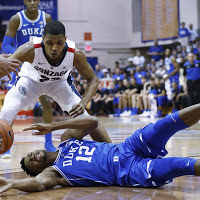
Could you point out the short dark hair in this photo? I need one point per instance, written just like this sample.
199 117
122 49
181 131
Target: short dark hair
54 28
27 170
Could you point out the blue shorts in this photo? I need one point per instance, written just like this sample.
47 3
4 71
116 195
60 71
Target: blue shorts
138 153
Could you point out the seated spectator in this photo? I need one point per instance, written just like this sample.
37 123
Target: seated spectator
120 90
137 105
129 67
124 99
118 75
96 105
110 103
138 59
179 97
156 51
150 88
160 97
139 74
193 34
98 71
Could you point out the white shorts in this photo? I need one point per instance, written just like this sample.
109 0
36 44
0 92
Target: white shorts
27 91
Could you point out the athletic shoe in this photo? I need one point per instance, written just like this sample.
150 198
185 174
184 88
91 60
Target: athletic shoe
6 155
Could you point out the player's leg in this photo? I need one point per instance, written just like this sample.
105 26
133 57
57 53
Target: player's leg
18 97
156 135
164 170
66 96
47 118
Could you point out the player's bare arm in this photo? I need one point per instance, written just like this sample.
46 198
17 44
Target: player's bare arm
86 71
7 65
48 17
24 53
13 26
48 179
84 124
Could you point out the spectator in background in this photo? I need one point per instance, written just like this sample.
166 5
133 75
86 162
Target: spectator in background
109 104
160 97
129 67
179 97
156 51
98 71
193 34
171 66
138 59
139 74
118 75
192 74
183 34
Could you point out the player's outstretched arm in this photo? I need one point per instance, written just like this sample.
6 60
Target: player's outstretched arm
86 71
43 181
84 124
7 65
24 53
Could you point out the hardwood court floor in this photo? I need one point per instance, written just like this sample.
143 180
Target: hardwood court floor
184 143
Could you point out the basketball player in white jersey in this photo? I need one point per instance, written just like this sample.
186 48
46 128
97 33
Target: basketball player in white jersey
47 72
23 26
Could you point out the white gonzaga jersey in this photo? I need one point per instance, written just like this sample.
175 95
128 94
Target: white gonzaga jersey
40 70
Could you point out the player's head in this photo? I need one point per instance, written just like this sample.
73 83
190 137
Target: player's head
54 39
35 162
167 52
190 57
31 5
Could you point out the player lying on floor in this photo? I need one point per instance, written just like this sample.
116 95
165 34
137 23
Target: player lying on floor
135 162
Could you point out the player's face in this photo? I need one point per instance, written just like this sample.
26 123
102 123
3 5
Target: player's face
31 5
36 161
54 45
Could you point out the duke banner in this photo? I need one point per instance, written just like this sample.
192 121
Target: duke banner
159 19
8 8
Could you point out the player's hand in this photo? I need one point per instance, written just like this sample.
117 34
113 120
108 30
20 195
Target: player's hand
5 185
7 65
77 109
41 127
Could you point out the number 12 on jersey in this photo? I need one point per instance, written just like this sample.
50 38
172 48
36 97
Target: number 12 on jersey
87 154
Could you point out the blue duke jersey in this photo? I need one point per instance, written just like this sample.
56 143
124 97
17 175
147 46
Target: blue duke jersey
170 68
29 28
86 163
90 163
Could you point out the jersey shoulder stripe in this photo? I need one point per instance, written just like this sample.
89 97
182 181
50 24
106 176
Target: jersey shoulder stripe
37 45
71 50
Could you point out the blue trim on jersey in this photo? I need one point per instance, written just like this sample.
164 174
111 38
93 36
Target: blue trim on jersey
70 82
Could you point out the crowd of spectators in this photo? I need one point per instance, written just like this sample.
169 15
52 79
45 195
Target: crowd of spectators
154 82
159 82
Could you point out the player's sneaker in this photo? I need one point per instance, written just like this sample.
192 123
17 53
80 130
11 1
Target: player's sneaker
6 155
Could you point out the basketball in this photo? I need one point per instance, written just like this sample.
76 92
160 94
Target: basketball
6 136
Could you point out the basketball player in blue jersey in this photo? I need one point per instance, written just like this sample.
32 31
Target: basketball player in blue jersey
138 161
23 26
171 67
